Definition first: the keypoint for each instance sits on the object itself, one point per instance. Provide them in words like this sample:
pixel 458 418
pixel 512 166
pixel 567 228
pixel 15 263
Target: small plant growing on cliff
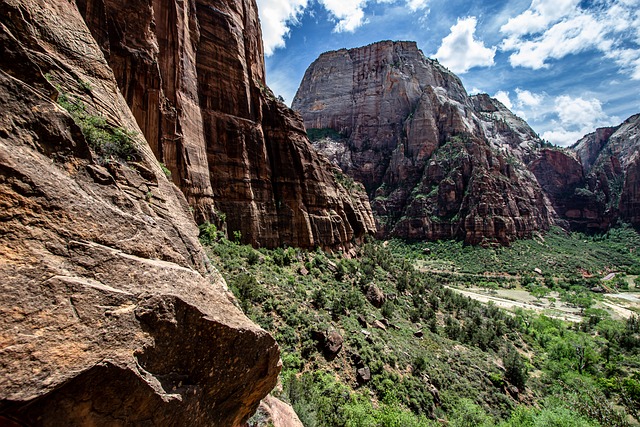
pixel 109 142
pixel 85 86
pixel 346 181
pixel 166 170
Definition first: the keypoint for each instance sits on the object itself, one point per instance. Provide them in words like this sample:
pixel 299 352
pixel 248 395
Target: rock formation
pixel 193 74
pixel 594 183
pixel 110 311
pixel 436 163
pixel 275 413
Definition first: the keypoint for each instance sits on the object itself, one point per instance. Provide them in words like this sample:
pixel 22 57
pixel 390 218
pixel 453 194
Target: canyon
pixel 439 164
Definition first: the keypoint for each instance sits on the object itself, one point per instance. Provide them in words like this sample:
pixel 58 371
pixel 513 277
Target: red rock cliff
pixel 192 73
pixel 110 313
pixel 436 163
pixel 594 183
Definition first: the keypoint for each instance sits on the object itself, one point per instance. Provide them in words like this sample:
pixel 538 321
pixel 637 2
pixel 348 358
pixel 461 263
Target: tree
pixel 516 371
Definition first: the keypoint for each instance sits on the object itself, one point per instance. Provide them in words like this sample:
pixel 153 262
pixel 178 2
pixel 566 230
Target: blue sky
pixel 566 66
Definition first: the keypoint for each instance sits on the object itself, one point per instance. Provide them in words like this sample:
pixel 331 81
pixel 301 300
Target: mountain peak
pixel 436 163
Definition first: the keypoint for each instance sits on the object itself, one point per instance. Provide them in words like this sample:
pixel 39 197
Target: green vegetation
pixel 316 134
pixel 166 170
pixel 109 142
pixel 556 253
pixel 346 181
pixel 432 354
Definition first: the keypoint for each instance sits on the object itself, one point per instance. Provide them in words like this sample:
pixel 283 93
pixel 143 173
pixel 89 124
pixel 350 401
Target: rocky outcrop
pixel 595 183
pixel 275 413
pixel 436 163
pixel 193 75
pixel 110 311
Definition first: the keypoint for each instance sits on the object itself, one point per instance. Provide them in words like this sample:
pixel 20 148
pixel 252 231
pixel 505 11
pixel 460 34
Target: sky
pixel 565 66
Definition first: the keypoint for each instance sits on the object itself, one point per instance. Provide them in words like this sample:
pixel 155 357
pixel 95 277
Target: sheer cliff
pixel 192 73
pixel 436 163
pixel 594 183
pixel 110 312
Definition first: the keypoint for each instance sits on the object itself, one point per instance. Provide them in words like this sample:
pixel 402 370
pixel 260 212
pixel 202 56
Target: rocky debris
pixel 193 75
pixel 273 412
pixel 378 324
pixel 362 320
pixel 434 392
pixel 333 342
pixel 418 334
pixel 436 163
pixel 330 342
pixel 110 310
pixel 363 375
pixel 375 295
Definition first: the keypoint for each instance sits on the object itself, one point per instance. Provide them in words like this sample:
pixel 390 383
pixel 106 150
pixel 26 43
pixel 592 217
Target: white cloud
pixel 570 36
pixel 553 29
pixel 577 117
pixel 275 17
pixel 416 5
pixel 526 98
pixel 349 13
pixel 540 14
pixel 460 51
pixel 563 137
pixel 503 97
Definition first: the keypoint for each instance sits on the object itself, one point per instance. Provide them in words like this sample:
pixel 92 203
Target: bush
pixel 109 142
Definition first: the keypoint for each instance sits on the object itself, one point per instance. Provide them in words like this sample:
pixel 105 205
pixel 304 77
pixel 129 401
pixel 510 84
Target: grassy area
pixel 557 253
pixel 415 353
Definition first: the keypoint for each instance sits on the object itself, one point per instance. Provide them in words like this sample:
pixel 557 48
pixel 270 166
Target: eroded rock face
pixel 192 73
pixel 594 184
pixel 110 311
pixel 436 163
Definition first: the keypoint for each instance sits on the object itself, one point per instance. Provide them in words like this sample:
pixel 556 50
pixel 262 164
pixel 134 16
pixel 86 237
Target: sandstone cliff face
pixel 595 183
pixel 192 73
pixel 110 311
pixel 436 163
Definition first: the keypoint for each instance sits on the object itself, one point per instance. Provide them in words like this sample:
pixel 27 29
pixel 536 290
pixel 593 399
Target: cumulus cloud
pixel 503 97
pixel 275 17
pixel 526 98
pixel 553 29
pixel 576 117
pixel 564 119
pixel 539 16
pixel 460 51
pixel 348 13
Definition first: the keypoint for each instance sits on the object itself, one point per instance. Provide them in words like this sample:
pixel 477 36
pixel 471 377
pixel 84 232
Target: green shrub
pixel 108 141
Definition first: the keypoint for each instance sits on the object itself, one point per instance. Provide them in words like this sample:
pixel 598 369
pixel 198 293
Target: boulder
pixel 375 296
pixel 110 310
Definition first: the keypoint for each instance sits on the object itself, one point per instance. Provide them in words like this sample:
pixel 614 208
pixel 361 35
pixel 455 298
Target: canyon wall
pixel 110 311
pixel 436 163
pixel 594 184
pixel 192 73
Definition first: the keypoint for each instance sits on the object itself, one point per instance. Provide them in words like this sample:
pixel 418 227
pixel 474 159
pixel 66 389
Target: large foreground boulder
pixel 110 313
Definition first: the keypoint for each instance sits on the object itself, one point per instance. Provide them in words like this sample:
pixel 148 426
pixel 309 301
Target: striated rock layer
pixel 110 313
pixel 594 183
pixel 192 73
pixel 436 163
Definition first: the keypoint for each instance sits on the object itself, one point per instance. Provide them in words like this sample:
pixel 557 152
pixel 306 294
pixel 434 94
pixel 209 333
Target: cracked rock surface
pixel 110 313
